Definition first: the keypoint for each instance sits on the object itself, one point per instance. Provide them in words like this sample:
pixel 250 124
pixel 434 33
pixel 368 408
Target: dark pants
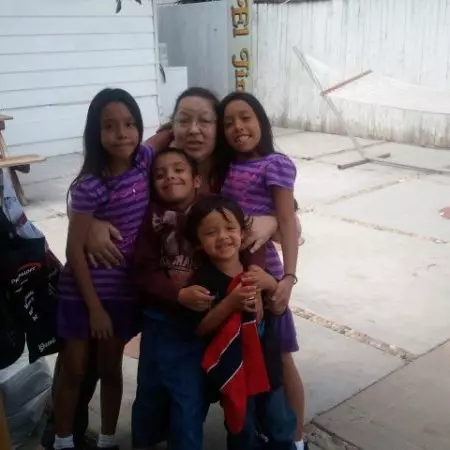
pixel 87 390
pixel 270 424
pixel 171 401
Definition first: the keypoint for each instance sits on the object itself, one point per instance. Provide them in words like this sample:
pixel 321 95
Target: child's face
pixel 241 126
pixel 119 134
pixel 173 179
pixel 220 236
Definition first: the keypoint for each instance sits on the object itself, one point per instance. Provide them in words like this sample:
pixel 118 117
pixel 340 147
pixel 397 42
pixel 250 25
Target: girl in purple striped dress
pixel 262 181
pixel 98 306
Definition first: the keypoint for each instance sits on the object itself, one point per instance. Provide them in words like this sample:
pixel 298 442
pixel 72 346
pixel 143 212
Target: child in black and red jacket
pixel 242 359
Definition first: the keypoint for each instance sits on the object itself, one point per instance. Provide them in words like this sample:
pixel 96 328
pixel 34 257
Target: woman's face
pixel 195 127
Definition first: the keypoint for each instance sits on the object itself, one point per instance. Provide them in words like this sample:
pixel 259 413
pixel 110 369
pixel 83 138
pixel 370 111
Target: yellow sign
pixel 240 44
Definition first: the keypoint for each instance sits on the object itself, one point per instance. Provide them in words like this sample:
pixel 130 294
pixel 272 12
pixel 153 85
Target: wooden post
pixel 12 170
pixel 5 440
pixel 240 72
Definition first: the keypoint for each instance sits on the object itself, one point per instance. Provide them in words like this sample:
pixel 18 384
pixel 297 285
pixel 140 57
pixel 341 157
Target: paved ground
pixel 372 305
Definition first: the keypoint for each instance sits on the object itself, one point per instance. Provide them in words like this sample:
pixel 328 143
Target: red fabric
pixel 251 376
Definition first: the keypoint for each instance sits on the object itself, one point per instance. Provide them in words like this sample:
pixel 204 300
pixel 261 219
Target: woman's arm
pixel 162 139
pixel 100 248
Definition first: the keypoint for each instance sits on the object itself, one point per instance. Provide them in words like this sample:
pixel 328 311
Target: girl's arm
pixel 284 207
pixel 79 225
pixel 280 179
pixel 100 322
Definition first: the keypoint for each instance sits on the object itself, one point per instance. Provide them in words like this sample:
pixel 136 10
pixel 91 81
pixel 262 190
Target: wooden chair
pixel 15 163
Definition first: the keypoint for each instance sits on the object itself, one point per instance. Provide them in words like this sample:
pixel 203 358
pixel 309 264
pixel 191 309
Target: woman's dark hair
pixel 95 156
pixel 203 93
pixel 265 145
pixel 207 205
pixel 215 177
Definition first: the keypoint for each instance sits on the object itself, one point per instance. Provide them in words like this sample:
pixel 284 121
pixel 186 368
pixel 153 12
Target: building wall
pixel 407 40
pixel 55 55
pixel 196 37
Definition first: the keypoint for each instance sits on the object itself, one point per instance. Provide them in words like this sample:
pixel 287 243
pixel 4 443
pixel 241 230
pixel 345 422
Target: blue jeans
pixel 270 424
pixel 171 401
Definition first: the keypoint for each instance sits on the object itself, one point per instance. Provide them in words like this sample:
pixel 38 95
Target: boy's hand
pixel 259 277
pixel 196 298
pixel 243 298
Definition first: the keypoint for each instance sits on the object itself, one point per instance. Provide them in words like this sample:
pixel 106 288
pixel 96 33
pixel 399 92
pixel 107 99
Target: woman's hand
pixel 263 227
pixel 196 298
pixel 100 322
pixel 277 236
pixel 100 248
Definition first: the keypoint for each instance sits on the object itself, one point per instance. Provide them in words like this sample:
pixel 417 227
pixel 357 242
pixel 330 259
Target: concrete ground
pixel 372 303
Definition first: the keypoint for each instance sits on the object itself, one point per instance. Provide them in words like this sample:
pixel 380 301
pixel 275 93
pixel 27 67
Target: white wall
pixel 55 55
pixel 405 39
pixel 408 40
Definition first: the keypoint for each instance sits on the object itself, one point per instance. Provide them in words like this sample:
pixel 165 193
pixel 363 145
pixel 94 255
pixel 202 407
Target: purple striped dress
pixel 249 184
pixel 122 201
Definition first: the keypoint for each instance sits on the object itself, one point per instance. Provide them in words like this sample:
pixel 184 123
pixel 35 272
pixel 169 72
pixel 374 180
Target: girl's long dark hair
pixel 215 179
pixel 95 156
pixel 265 146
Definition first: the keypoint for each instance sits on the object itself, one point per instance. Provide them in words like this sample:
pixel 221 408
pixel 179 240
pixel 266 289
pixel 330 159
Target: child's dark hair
pixel 95 156
pixel 207 205
pixel 265 146
pixel 177 151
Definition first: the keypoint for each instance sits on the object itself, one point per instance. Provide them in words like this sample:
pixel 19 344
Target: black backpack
pixel 28 278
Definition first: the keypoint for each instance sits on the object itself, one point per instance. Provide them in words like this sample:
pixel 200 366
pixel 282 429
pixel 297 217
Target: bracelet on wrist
pixel 290 275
